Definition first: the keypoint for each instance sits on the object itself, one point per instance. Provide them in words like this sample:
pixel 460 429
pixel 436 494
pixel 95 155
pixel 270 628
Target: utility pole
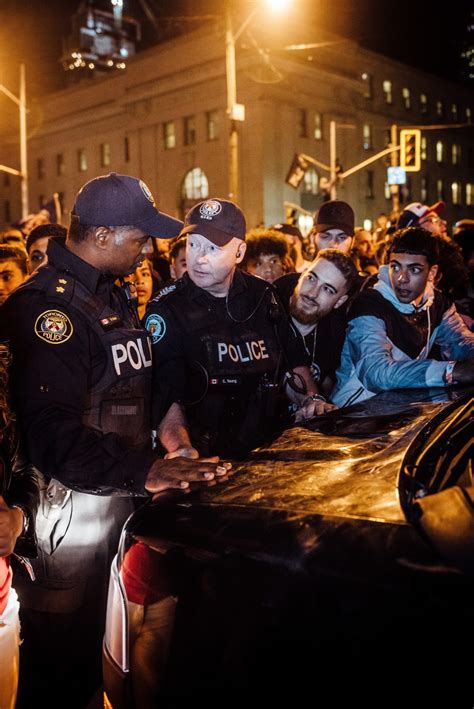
pixel 332 159
pixel 231 103
pixel 394 161
pixel 23 139
pixel 23 172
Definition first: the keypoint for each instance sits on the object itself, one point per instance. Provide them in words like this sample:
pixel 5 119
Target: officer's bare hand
pixel 463 372
pixel 184 453
pixel 179 472
pixel 11 526
pixel 310 408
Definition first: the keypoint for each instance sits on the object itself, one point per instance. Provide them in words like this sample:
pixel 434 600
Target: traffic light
pixel 410 144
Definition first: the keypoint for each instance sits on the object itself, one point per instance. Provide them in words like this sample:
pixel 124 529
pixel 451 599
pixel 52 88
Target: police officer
pixel 80 381
pixel 222 345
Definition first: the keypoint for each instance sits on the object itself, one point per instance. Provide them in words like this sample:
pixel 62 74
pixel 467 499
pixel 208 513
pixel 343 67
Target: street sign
pixel 396 175
pixel 297 170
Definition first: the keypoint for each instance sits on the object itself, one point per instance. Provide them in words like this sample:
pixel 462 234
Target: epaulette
pixel 60 288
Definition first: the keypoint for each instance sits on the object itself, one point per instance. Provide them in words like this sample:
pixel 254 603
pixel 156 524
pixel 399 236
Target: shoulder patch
pixel 53 327
pixel 156 326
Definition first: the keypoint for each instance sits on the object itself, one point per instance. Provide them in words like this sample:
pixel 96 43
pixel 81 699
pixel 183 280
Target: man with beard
pixel 314 299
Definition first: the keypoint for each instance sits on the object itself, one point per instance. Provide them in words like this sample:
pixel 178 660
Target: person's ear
pixel 241 249
pixel 433 273
pixel 102 237
pixel 340 301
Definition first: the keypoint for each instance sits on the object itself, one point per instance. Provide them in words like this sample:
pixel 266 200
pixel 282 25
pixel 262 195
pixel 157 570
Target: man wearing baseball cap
pixel 428 217
pixel 222 346
pixel 80 381
pixel 334 227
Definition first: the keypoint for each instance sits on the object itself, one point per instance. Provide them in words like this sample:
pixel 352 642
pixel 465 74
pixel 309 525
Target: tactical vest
pixel 234 372
pixel 120 400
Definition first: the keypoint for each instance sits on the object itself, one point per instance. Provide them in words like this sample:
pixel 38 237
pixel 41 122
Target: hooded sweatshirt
pixel 394 345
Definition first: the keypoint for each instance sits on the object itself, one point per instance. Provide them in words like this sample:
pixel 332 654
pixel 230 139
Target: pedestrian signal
pixel 410 144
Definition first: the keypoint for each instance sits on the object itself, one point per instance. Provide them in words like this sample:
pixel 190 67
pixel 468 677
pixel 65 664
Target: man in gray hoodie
pixel 403 332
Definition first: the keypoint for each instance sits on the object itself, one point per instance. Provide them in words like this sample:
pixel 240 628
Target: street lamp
pixel 236 111
pixel 23 172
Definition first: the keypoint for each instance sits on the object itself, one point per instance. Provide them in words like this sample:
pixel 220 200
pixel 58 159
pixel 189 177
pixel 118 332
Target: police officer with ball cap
pixel 222 345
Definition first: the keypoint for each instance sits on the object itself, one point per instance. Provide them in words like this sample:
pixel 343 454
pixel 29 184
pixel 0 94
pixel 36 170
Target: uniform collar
pixel 238 285
pixel 64 259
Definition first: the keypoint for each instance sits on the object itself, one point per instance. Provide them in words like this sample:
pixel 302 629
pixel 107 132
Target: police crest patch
pixel 53 327
pixel 146 191
pixel 156 326
pixel 210 208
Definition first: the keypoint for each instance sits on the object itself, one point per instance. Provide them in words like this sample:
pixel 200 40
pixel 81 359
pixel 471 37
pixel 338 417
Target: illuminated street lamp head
pixel 277 5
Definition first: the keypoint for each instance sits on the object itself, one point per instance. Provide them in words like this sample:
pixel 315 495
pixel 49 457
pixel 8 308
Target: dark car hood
pixel 323 497
pixel 345 464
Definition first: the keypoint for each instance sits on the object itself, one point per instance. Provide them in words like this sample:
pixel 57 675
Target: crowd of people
pixel 140 364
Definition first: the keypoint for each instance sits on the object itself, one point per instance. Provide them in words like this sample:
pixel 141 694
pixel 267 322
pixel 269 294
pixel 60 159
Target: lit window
pixel 318 126
pixel 311 181
pixel 424 189
pixel 454 112
pixel 368 83
pixel 195 185
pixel 424 104
pixel 104 154
pixel 303 123
pixel 60 164
pixel 468 115
pixel 81 160
pixel 469 195
pixel 406 97
pixel 169 135
pixel 439 108
pixel 367 136
pixel 455 154
pixel 368 224
pixel 40 168
pixel 439 151
pixel 189 126
pixel 387 89
pixel 456 192
pixel 424 148
pixel 305 223
pixel 387 191
pixel 212 123
pixel 439 189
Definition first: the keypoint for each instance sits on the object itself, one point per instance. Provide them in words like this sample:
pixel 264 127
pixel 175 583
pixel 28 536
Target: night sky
pixel 411 31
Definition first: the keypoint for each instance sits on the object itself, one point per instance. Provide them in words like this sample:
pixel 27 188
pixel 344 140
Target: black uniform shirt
pixel 224 340
pixel 324 343
pixel 50 380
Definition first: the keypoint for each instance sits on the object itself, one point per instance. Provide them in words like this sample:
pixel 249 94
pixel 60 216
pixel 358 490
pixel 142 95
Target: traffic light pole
pixel 394 189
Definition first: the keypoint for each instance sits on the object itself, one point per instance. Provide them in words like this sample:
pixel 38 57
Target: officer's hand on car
pixel 11 526
pixel 180 471
pixel 313 405
pixel 184 452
